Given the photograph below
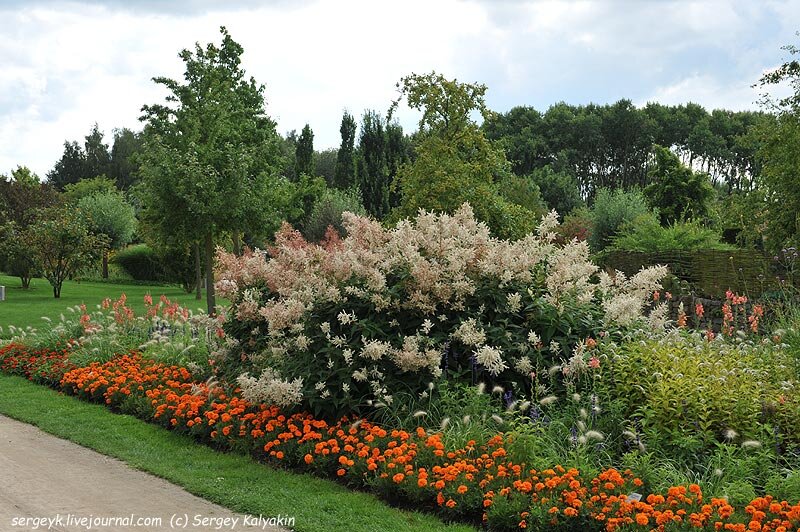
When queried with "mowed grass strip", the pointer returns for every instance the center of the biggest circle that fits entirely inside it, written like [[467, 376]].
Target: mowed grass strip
[[230, 480], [26, 307]]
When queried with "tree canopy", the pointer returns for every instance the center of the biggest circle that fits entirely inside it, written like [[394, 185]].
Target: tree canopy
[[63, 245], [675, 190], [455, 163], [211, 154], [780, 157], [304, 152], [345, 165], [608, 146], [110, 216]]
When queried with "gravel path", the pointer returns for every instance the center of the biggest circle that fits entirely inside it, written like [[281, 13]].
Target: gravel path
[[44, 477]]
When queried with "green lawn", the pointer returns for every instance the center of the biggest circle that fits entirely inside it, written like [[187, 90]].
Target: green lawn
[[26, 307], [231, 480]]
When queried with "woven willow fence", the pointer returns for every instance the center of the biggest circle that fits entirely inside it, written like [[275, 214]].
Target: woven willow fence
[[707, 273]]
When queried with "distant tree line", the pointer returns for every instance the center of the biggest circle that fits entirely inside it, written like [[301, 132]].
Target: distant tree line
[[610, 146], [94, 159]]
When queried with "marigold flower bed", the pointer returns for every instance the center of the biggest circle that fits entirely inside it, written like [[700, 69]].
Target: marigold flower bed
[[479, 482]]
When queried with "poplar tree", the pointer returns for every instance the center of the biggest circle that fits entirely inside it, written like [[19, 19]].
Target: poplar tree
[[304, 153], [345, 166]]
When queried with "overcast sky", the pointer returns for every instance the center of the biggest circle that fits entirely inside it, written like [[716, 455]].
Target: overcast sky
[[65, 65]]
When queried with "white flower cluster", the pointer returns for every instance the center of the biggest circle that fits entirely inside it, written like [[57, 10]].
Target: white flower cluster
[[444, 255], [491, 358], [413, 357], [470, 333], [375, 349], [625, 298], [270, 389]]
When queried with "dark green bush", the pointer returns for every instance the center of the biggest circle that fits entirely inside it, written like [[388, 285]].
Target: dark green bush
[[141, 262], [559, 190], [166, 265]]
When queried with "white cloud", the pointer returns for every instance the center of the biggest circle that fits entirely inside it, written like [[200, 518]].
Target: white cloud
[[707, 91], [69, 64]]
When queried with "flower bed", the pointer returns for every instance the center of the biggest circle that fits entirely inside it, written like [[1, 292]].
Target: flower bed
[[335, 328], [478, 482]]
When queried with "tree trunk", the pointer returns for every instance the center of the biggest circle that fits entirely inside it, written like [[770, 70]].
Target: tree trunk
[[105, 264], [237, 244], [26, 282], [57, 290], [198, 294], [210, 301]]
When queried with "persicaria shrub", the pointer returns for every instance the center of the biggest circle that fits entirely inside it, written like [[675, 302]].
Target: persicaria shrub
[[337, 326]]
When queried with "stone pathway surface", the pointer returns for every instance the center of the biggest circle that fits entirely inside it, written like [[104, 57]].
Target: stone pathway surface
[[51, 484]]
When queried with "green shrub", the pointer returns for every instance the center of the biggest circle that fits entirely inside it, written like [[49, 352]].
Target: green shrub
[[785, 486], [327, 212], [140, 262], [179, 266], [646, 234], [611, 211], [689, 392], [166, 265]]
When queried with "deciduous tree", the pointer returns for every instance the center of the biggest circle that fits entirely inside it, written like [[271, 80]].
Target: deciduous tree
[[63, 245], [24, 176], [455, 163], [110, 215], [675, 190], [22, 199], [779, 155], [211, 154]]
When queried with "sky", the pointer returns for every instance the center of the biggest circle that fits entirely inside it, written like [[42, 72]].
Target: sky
[[65, 65]]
